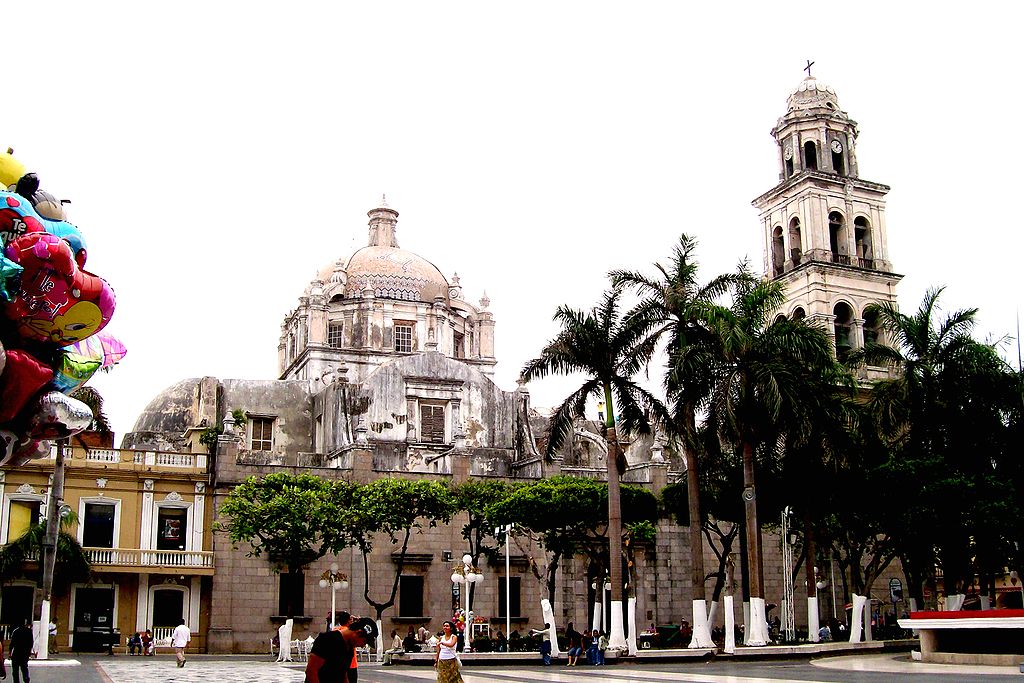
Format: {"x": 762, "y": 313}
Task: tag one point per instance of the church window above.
{"x": 872, "y": 329}
{"x": 795, "y": 241}
{"x": 810, "y": 156}
{"x": 843, "y": 330}
{"x": 837, "y": 238}
{"x": 432, "y": 423}
{"x": 410, "y": 596}
{"x": 334, "y": 334}
{"x": 862, "y": 237}
{"x": 458, "y": 342}
{"x": 838, "y": 165}
{"x": 778, "y": 252}
{"x": 799, "y": 314}
{"x": 261, "y": 436}
{"x": 403, "y": 337}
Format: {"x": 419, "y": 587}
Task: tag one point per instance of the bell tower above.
{"x": 823, "y": 225}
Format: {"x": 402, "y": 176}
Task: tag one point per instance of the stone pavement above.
{"x": 239, "y": 669}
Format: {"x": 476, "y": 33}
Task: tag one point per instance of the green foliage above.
{"x": 208, "y": 437}
{"x": 292, "y": 519}
{"x": 676, "y": 503}
{"x": 72, "y": 564}
{"x": 472, "y": 497}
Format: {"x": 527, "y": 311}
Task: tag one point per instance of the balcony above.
{"x": 151, "y": 561}
{"x": 137, "y": 461}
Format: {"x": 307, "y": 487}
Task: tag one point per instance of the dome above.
{"x": 394, "y": 273}
{"x": 812, "y": 93}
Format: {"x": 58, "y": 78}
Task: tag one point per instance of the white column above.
{"x": 198, "y": 516}
{"x": 193, "y": 604}
{"x": 146, "y": 541}
{"x": 142, "y": 604}
{"x": 730, "y": 626}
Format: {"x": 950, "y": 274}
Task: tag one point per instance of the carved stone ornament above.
{"x": 3, "y": 477}
{"x": 25, "y": 488}
{"x": 101, "y": 483}
{"x": 147, "y": 485}
{"x": 200, "y": 487}
{"x": 173, "y": 495}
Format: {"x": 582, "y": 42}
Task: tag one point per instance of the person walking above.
{"x": 446, "y": 661}
{"x": 180, "y": 638}
{"x": 331, "y": 656}
{"x": 21, "y": 650}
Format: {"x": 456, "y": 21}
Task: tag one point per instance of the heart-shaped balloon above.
{"x": 56, "y": 301}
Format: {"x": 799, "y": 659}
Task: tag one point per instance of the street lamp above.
{"x": 336, "y": 580}
{"x": 466, "y": 574}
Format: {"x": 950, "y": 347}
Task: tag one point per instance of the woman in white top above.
{"x": 446, "y": 660}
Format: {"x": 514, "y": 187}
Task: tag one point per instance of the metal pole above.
{"x": 334, "y": 608}
{"x": 832, "y": 568}
{"x": 508, "y": 582}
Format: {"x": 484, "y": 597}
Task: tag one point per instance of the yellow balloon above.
{"x": 10, "y": 169}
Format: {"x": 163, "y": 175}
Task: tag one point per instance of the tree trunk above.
{"x": 810, "y": 566}
{"x": 701, "y": 631}
{"x": 757, "y": 631}
{"x": 618, "y": 636}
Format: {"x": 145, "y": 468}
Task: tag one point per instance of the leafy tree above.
{"x": 609, "y": 352}
{"x": 292, "y": 519}
{"x": 674, "y": 306}
{"x": 945, "y": 417}
{"x": 395, "y": 509}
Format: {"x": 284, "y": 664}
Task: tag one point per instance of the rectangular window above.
{"x": 24, "y": 513}
{"x": 262, "y": 433}
{"x": 171, "y": 527}
{"x": 403, "y": 337}
{"x": 432, "y": 423}
{"x": 291, "y": 596}
{"x": 459, "y": 344}
{"x": 98, "y": 527}
{"x": 410, "y": 596}
{"x": 513, "y": 590}
{"x": 334, "y": 335}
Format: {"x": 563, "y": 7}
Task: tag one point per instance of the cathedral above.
{"x": 385, "y": 370}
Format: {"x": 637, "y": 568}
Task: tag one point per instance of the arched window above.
{"x": 796, "y": 248}
{"x": 862, "y": 237}
{"x": 778, "y": 252}
{"x": 837, "y": 237}
{"x": 810, "y": 156}
{"x": 843, "y": 329}
{"x": 872, "y": 328}
{"x": 799, "y": 314}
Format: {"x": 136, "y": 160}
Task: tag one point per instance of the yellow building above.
{"x": 144, "y": 524}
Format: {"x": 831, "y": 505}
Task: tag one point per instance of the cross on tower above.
{"x": 808, "y": 68}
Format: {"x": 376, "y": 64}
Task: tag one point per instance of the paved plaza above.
{"x": 881, "y": 668}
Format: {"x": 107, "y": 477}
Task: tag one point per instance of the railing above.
{"x": 162, "y": 635}
{"x": 840, "y": 258}
{"x": 140, "y": 459}
{"x": 134, "y": 557}
{"x": 866, "y": 263}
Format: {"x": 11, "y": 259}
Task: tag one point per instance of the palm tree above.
{"x": 943, "y": 393}
{"x": 763, "y": 370}
{"x": 674, "y": 305}
{"x": 609, "y": 351}
{"x": 71, "y": 558}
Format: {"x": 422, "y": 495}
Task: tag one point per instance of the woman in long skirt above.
{"x": 446, "y": 660}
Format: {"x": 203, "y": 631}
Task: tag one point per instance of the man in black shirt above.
{"x": 332, "y": 652}
{"x": 21, "y": 650}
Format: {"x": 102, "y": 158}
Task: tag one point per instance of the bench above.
{"x": 994, "y": 637}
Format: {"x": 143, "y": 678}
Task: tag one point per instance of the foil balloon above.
{"x": 22, "y": 377}
{"x": 11, "y": 170}
{"x": 17, "y": 217}
{"x": 15, "y": 452}
{"x": 83, "y": 359}
{"x": 56, "y": 301}
{"x": 57, "y": 416}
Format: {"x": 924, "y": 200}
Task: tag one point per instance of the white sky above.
{"x": 218, "y": 154}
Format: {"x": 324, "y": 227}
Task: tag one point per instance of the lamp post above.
{"x": 507, "y": 530}
{"x": 466, "y": 574}
{"x": 335, "y": 579}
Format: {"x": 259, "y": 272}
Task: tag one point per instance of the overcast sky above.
{"x": 218, "y": 154}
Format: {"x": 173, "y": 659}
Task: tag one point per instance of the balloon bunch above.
{"x": 459, "y": 617}
{"x": 52, "y": 312}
